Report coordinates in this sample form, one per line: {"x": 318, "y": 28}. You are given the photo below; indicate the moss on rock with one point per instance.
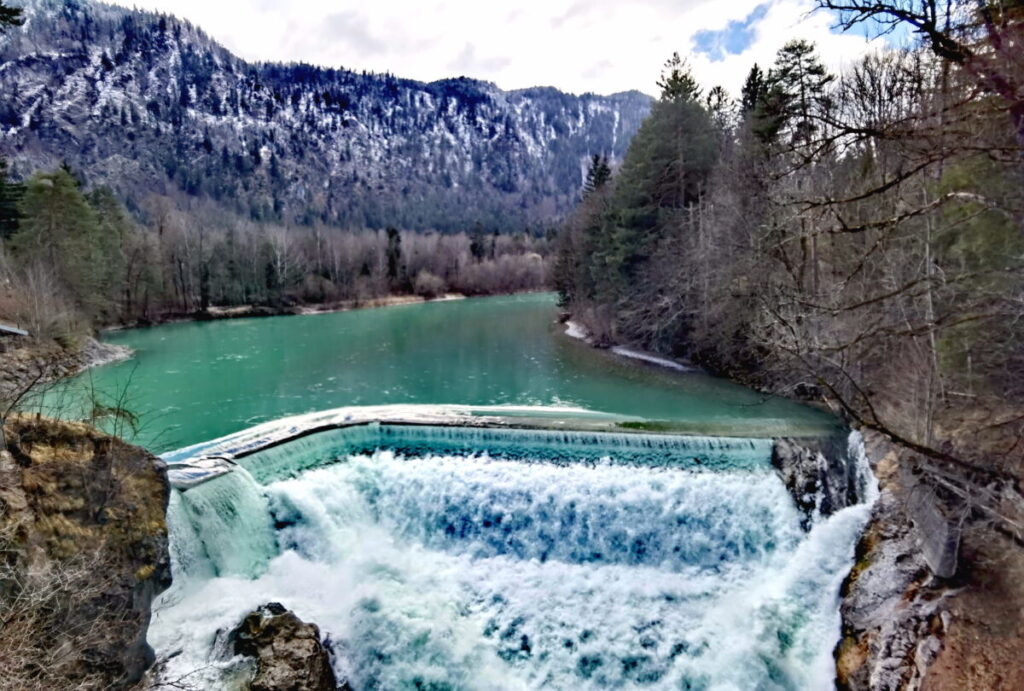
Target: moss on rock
{"x": 84, "y": 544}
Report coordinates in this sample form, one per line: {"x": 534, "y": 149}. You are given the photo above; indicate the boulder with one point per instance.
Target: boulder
{"x": 288, "y": 653}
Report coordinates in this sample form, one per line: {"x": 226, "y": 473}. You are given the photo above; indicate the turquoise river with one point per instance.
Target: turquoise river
{"x": 190, "y": 382}
{"x": 506, "y": 558}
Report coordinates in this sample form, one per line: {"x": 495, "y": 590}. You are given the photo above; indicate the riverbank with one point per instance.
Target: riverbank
{"x": 579, "y": 332}
{"x": 215, "y": 312}
{"x": 34, "y": 365}
{"x": 935, "y": 600}
{"x": 84, "y": 539}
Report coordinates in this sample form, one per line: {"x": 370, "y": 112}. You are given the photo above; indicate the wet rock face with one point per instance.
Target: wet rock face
{"x": 894, "y": 610}
{"x": 819, "y": 474}
{"x": 288, "y": 652}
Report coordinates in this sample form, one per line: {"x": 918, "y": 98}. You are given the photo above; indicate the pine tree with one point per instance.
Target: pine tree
{"x": 61, "y": 230}
{"x": 800, "y": 76}
{"x": 753, "y": 90}
{"x": 114, "y": 229}
{"x": 10, "y": 17}
{"x": 664, "y": 173}
{"x": 477, "y": 246}
{"x": 598, "y": 174}
{"x": 677, "y": 82}
{"x": 784, "y": 101}
{"x": 771, "y": 110}
{"x": 719, "y": 107}
{"x": 10, "y": 198}
{"x": 717, "y": 99}
{"x": 394, "y": 255}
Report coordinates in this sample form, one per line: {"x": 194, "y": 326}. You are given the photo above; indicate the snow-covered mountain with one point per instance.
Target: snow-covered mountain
{"x": 148, "y": 103}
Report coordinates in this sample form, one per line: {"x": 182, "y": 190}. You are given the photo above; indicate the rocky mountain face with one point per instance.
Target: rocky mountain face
{"x": 147, "y": 103}
{"x": 895, "y": 611}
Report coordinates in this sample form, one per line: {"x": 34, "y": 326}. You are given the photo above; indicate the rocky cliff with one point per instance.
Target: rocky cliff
{"x": 931, "y": 603}
{"x": 896, "y": 601}
{"x": 83, "y": 553}
{"x": 822, "y": 474}
{"x": 149, "y": 104}
{"x": 893, "y": 608}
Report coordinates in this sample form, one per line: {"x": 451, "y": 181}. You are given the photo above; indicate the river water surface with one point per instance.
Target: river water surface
{"x": 191, "y": 382}
{"x": 584, "y": 561}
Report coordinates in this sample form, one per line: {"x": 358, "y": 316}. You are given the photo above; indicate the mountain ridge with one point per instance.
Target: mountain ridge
{"x": 150, "y": 104}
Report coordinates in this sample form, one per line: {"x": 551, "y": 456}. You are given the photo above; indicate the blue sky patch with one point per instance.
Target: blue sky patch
{"x": 735, "y": 38}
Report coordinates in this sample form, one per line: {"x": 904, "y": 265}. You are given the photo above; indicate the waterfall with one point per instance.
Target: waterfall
{"x": 570, "y": 446}
{"x": 308, "y": 451}
{"x": 282, "y": 460}
{"x": 865, "y": 480}
{"x": 473, "y": 558}
{"x": 222, "y": 526}
{"x": 188, "y": 554}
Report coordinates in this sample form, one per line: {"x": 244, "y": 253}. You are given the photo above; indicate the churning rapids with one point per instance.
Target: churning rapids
{"x": 438, "y": 570}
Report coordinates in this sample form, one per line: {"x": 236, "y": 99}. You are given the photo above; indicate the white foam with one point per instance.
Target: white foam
{"x": 576, "y": 330}
{"x": 652, "y": 359}
{"x": 483, "y": 574}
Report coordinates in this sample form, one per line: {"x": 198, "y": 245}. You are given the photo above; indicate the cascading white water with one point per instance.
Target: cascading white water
{"x": 556, "y": 446}
{"x": 469, "y": 572}
{"x": 223, "y": 526}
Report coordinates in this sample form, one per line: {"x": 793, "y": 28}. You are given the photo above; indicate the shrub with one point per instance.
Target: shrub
{"x": 428, "y": 286}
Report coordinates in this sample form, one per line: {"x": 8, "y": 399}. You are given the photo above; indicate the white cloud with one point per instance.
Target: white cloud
{"x": 575, "y": 45}
{"x": 785, "y": 20}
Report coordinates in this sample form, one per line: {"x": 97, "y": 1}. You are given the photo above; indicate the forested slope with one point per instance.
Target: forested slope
{"x": 857, "y": 240}
{"x": 149, "y": 105}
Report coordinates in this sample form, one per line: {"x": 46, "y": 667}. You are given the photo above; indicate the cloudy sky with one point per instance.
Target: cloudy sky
{"x": 576, "y": 45}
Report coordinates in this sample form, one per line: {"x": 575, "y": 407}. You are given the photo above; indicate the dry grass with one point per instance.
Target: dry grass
{"x": 41, "y": 641}
{"x": 82, "y": 548}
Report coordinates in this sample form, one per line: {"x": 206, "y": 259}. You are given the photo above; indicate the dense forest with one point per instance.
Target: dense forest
{"x": 852, "y": 238}
{"x": 72, "y": 259}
